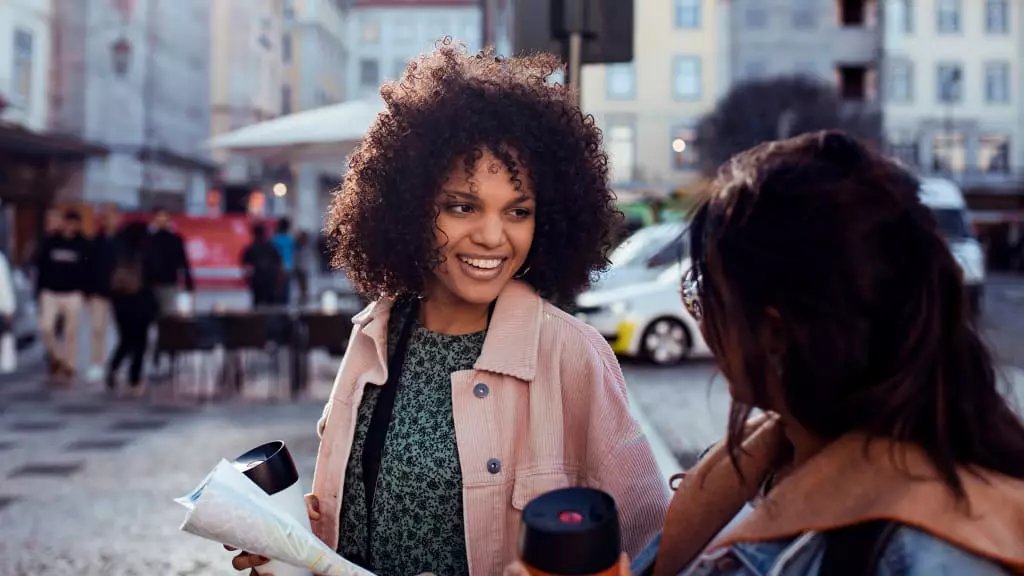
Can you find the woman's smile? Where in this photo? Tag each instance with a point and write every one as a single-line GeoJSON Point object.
{"type": "Point", "coordinates": [482, 268]}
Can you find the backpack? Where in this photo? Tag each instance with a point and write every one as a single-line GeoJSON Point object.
{"type": "Point", "coordinates": [127, 276]}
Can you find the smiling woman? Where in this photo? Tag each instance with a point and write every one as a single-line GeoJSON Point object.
{"type": "Point", "coordinates": [480, 191]}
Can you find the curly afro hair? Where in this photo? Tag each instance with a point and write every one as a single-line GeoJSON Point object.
{"type": "Point", "coordinates": [446, 109]}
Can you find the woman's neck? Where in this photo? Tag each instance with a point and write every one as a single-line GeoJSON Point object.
{"type": "Point", "coordinates": [452, 316]}
{"type": "Point", "coordinates": [805, 444]}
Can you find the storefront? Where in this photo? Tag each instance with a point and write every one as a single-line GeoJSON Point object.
{"type": "Point", "coordinates": [33, 168]}
{"type": "Point", "coordinates": [998, 220]}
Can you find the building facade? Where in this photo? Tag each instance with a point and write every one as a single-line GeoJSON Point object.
{"type": "Point", "coordinates": [25, 62]}
{"type": "Point", "coordinates": [953, 104]}
{"type": "Point", "coordinates": [649, 108]}
{"type": "Point", "coordinates": [245, 85]}
{"type": "Point", "coordinates": [134, 75]}
{"type": "Point", "coordinates": [387, 34]}
{"type": "Point", "coordinates": [314, 54]}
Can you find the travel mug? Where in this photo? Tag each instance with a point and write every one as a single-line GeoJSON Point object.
{"type": "Point", "coordinates": [572, 531]}
{"type": "Point", "coordinates": [271, 467]}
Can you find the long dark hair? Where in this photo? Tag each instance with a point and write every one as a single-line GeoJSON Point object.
{"type": "Point", "coordinates": [133, 239]}
{"type": "Point", "coordinates": [877, 334]}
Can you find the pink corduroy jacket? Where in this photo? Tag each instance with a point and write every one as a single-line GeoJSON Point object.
{"type": "Point", "coordinates": [552, 413]}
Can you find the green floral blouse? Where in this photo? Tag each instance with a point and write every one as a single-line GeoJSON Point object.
{"type": "Point", "coordinates": [418, 521]}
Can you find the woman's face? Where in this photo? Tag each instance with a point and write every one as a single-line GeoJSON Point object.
{"type": "Point", "coordinates": [484, 232]}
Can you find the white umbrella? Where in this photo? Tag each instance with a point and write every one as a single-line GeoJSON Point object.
{"type": "Point", "coordinates": [321, 134]}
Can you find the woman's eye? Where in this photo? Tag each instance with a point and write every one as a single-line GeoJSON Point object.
{"type": "Point", "coordinates": [521, 213]}
{"type": "Point", "coordinates": [460, 208]}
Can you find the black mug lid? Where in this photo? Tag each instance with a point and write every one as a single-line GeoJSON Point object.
{"type": "Point", "coordinates": [570, 531]}
{"type": "Point", "coordinates": [270, 466]}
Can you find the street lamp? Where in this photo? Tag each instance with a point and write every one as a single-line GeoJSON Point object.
{"type": "Point", "coordinates": [121, 53]}
{"type": "Point", "coordinates": [280, 189]}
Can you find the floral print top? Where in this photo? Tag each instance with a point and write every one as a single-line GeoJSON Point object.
{"type": "Point", "coordinates": [418, 514]}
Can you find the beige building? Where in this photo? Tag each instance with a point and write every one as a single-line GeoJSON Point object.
{"type": "Point", "coordinates": [649, 108]}
{"type": "Point", "coordinates": [246, 74]}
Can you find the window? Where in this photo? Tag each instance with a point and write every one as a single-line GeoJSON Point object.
{"type": "Point", "coordinates": [756, 17]}
{"type": "Point", "coordinates": [286, 99]}
{"type": "Point", "coordinates": [853, 83]}
{"type": "Point", "coordinates": [286, 48]}
{"type": "Point", "coordinates": [949, 155]}
{"type": "Point", "coordinates": [22, 89]}
{"type": "Point", "coordinates": [950, 88]}
{"type": "Point", "coordinates": [369, 73]}
{"type": "Point", "coordinates": [901, 81]}
{"type": "Point", "coordinates": [684, 149]}
{"type": "Point", "coordinates": [804, 16]}
{"type": "Point", "coordinates": [620, 81]}
{"type": "Point", "coordinates": [907, 153]}
{"type": "Point", "coordinates": [852, 13]}
{"type": "Point", "coordinates": [621, 147]}
{"type": "Point", "coordinates": [289, 9]}
{"type": "Point", "coordinates": [997, 82]}
{"type": "Point", "coordinates": [370, 31]}
{"type": "Point", "coordinates": [686, 72]}
{"type": "Point", "coordinates": [994, 153]}
{"type": "Point", "coordinates": [948, 16]}
{"type": "Point", "coordinates": [755, 69]}
{"type": "Point", "coordinates": [688, 13]}
{"type": "Point", "coordinates": [997, 17]}
{"type": "Point", "coordinates": [904, 14]}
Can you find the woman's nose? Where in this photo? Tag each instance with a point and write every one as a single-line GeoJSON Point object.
{"type": "Point", "coordinates": [491, 232]}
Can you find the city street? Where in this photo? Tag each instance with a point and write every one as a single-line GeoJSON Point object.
{"type": "Point", "coordinates": [88, 484]}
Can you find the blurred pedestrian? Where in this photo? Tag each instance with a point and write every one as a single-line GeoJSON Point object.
{"type": "Point", "coordinates": [8, 302]}
{"type": "Point", "coordinates": [168, 266]}
{"type": "Point", "coordinates": [834, 306]}
{"type": "Point", "coordinates": [285, 245]}
{"type": "Point", "coordinates": [102, 259]}
{"type": "Point", "coordinates": [134, 304]}
{"type": "Point", "coordinates": [262, 265]}
{"type": "Point", "coordinates": [61, 282]}
{"type": "Point", "coordinates": [303, 264]}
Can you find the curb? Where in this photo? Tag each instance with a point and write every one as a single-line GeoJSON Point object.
{"type": "Point", "coordinates": [667, 462]}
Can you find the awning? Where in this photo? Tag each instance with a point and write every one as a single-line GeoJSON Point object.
{"type": "Point", "coordinates": [321, 134]}
{"type": "Point", "coordinates": [22, 143]}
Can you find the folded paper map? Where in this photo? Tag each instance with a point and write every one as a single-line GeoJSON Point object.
{"type": "Point", "coordinates": [229, 508]}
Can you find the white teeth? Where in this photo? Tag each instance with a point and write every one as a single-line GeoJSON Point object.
{"type": "Point", "coordinates": [483, 263]}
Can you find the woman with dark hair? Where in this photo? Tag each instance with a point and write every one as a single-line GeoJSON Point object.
{"type": "Point", "coordinates": [480, 192]}
{"type": "Point", "coordinates": [134, 303]}
{"type": "Point", "coordinates": [833, 305]}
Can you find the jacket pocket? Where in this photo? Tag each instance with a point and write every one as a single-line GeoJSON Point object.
{"type": "Point", "coordinates": [529, 485]}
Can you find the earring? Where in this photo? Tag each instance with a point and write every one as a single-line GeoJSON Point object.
{"type": "Point", "coordinates": [522, 272]}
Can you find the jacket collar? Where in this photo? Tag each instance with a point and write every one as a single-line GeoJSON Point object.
{"type": "Point", "coordinates": [513, 335]}
{"type": "Point", "coordinates": [853, 480]}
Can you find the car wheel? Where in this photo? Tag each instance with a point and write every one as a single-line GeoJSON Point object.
{"type": "Point", "coordinates": [665, 342]}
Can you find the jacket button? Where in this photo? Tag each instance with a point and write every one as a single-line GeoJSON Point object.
{"type": "Point", "coordinates": [494, 465]}
{"type": "Point", "coordinates": [481, 390]}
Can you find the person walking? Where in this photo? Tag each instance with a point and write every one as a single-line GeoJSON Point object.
{"type": "Point", "coordinates": [134, 304]}
{"type": "Point", "coordinates": [262, 265]}
{"type": "Point", "coordinates": [464, 392]}
{"type": "Point", "coordinates": [167, 268]}
{"type": "Point", "coordinates": [61, 281]}
{"type": "Point", "coordinates": [285, 245]}
{"type": "Point", "coordinates": [8, 304]}
{"type": "Point", "coordinates": [102, 259]}
{"type": "Point", "coordinates": [303, 265]}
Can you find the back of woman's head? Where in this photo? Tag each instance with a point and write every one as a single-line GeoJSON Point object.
{"type": "Point", "coordinates": [818, 261]}
{"type": "Point", "coordinates": [133, 237]}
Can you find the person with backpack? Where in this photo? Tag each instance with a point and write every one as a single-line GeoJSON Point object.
{"type": "Point", "coordinates": [134, 302]}
{"type": "Point", "coordinates": [263, 268]}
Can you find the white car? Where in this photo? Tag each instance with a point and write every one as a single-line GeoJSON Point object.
{"type": "Point", "coordinates": [645, 319]}
{"type": "Point", "coordinates": [949, 208]}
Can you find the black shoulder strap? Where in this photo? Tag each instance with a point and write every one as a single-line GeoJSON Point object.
{"type": "Point", "coordinates": [373, 448]}
{"type": "Point", "coordinates": [856, 550]}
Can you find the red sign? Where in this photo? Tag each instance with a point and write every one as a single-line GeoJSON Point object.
{"type": "Point", "coordinates": [214, 245]}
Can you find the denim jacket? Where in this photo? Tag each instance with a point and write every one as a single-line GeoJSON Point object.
{"type": "Point", "coordinates": [910, 552]}
{"type": "Point", "coordinates": [849, 482]}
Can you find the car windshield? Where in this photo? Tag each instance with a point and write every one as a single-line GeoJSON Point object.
{"type": "Point", "coordinates": [951, 223]}
{"type": "Point", "coordinates": [647, 243]}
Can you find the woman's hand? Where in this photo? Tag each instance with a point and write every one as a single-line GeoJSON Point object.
{"type": "Point", "coordinates": [517, 568]}
{"type": "Point", "coordinates": [247, 561]}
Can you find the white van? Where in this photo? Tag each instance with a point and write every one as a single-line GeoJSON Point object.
{"type": "Point", "coordinates": [950, 210]}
